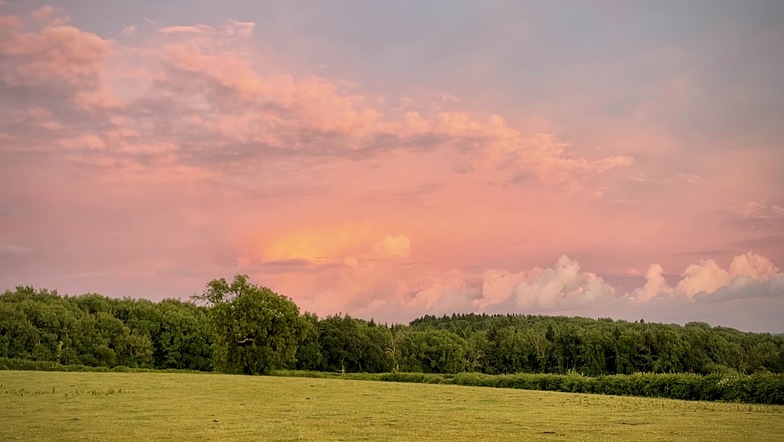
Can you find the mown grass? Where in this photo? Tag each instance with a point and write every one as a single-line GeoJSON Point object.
{"type": "Point", "coordinates": [164, 406]}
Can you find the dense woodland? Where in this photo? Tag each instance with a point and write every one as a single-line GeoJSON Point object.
{"type": "Point", "coordinates": [239, 327]}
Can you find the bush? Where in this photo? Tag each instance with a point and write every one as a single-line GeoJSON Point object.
{"type": "Point", "coordinates": [761, 387]}
{"type": "Point", "coordinates": [28, 365]}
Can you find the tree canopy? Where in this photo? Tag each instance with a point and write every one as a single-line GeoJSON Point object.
{"type": "Point", "coordinates": [256, 330]}
{"type": "Point", "coordinates": [244, 328]}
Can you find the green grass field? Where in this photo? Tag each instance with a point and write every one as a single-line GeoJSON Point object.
{"type": "Point", "coordinates": [160, 406]}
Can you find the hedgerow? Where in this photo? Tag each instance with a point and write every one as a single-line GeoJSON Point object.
{"type": "Point", "coordinates": [759, 388]}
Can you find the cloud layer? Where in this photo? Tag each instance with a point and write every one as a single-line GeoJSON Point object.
{"type": "Point", "coordinates": [700, 291]}
{"type": "Point", "coordinates": [146, 157]}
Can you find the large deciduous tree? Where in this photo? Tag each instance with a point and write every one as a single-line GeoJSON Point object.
{"type": "Point", "coordinates": [256, 330]}
{"type": "Point", "coordinates": [434, 351]}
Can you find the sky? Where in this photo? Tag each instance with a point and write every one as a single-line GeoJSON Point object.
{"type": "Point", "coordinates": [389, 160]}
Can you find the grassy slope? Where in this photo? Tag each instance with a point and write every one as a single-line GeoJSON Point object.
{"type": "Point", "coordinates": [159, 406]}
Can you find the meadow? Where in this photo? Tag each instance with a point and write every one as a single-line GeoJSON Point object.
{"type": "Point", "coordinates": [180, 406]}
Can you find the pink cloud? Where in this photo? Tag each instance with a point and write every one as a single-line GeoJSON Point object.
{"type": "Point", "coordinates": [58, 54]}
{"type": "Point", "coordinates": [393, 246]}
{"type": "Point", "coordinates": [655, 285]}
{"type": "Point", "coordinates": [191, 152]}
{"type": "Point", "coordinates": [744, 287]}
{"type": "Point", "coordinates": [84, 142]}
{"type": "Point", "coordinates": [565, 288]}
{"type": "Point", "coordinates": [563, 285]}
{"type": "Point", "coordinates": [243, 29]}
{"type": "Point", "coordinates": [9, 22]}
{"type": "Point", "coordinates": [200, 29]}
{"type": "Point", "coordinates": [129, 31]}
{"type": "Point", "coordinates": [48, 15]}
{"type": "Point", "coordinates": [269, 110]}
{"type": "Point", "coordinates": [708, 276]}
{"type": "Point", "coordinates": [758, 215]}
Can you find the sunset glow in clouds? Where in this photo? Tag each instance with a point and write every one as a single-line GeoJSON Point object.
{"type": "Point", "coordinates": [395, 159]}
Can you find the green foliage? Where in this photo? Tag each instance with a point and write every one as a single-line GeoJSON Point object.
{"type": "Point", "coordinates": [309, 356]}
{"type": "Point", "coordinates": [30, 365]}
{"type": "Point", "coordinates": [342, 343]}
{"type": "Point", "coordinates": [759, 388]}
{"type": "Point", "coordinates": [499, 344]}
{"type": "Point", "coordinates": [353, 345]}
{"type": "Point", "coordinates": [250, 329]}
{"type": "Point", "coordinates": [257, 329]}
{"type": "Point", "coordinates": [93, 330]}
{"type": "Point", "coordinates": [433, 351]}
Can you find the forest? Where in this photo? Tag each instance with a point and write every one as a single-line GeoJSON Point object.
{"type": "Point", "coordinates": [239, 327]}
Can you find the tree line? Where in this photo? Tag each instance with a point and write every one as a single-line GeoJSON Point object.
{"type": "Point", "coordinates": [236, 326]}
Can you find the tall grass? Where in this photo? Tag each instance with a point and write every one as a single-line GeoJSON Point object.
{"type": "Point", "coordinates": [45, 406]}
